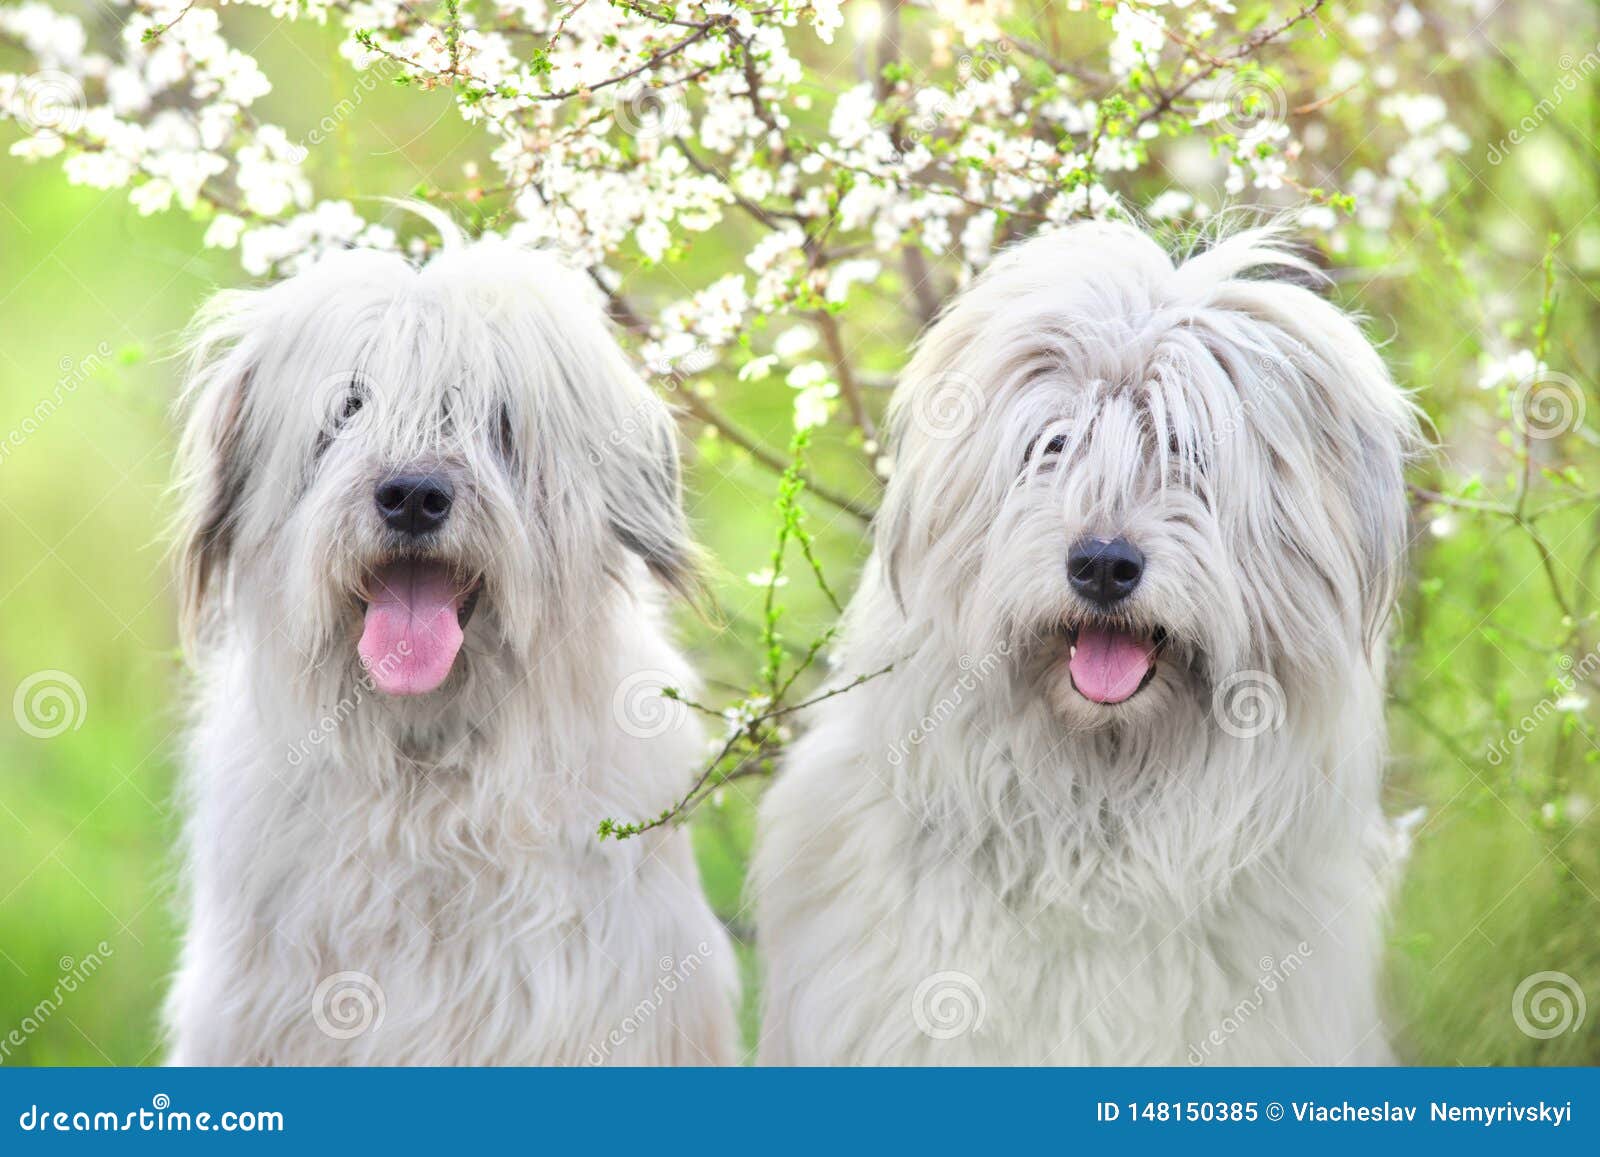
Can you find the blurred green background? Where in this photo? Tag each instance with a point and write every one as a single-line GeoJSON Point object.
{"type": "Point", "coordinates": [1504, 881]}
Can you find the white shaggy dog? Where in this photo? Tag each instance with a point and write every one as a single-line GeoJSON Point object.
{"type": "Point", "coordinates": [1117, 802]}
{"type": "Point", "coordinates": [422, 512]}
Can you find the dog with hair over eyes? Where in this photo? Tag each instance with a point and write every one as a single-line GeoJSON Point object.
{"type": "Point", "coordinates": [428, 513]}
{"type": "Point", "coordinates": [1117, 801]}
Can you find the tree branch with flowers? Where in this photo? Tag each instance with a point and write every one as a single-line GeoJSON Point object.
{"type": "Point", "coordinates": [776, 197]}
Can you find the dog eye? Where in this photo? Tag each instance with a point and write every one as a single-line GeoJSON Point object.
{"type": "Point", "coordinates": [1053, 448]}
{"type": "Point", "coordinates": [341, 411]}
{"type": "Point", "coordinates": [506, 437]}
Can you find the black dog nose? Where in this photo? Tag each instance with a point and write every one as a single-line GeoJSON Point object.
{"type": "Point", "coordinates": [414, 503]}
{"type": "Point", "coordinates": [1104, 572]}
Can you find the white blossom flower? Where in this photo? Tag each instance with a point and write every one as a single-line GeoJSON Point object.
{"type": "Point", "coordinates": [1519, 366]}
{"type": "Point", "coordinates": [816, 177]}
{"type": "Point", "coordinates": [827, 17]}
{"type": "Point", "coordinates": [223, 232]}
{"type": "Point", "coordinates": [794, 341]}
{"type": "Point", "coordinates": [1407, 22]}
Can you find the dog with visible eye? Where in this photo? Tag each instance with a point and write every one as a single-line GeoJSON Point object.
{"type": "Point", "coordinates": [1117, 801]}
{"type": "Point", "coordinates": [428, 516]}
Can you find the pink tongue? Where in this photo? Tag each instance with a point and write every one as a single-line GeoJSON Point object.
{"type": "Point", "coordinates": [411, 634]}
{"type": "Point", "coordinates": [1108, 666]}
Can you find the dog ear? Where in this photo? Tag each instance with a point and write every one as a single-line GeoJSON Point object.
{"type": "Point", "coordinates": [211, 473]}
{"type": "Point", "coordinates": [1378, 500]}
{"type": "Point", "coordinates": [1376, 434]}
{"type": "Point", "coordinates": [892, 532]}
{"type": "Point", "coordinates": [642, 487]}
{"type": "Point", "coordinates": [1365, 429]}
{"type": "Point", "coordinates": [1368, 432]}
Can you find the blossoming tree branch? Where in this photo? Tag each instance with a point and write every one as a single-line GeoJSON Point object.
{"type": "Point", "coordinates": [776, 195]}
{"type": "Point", "coordinates": [872, 150]}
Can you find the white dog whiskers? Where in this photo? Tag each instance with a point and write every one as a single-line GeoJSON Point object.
{"type": "Point", "coordinates": [419, 561]}
{"type": "Point", "coordinates": [1133, 568]}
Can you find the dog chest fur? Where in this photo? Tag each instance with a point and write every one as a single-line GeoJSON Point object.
{"type": "Point", "coordinates": [496, 927]}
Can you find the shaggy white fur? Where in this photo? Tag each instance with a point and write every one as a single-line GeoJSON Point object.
{"type": "Point", "coordinates": [405, 737]}
{"type": "Point", "coordinates": [1011, 850]}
